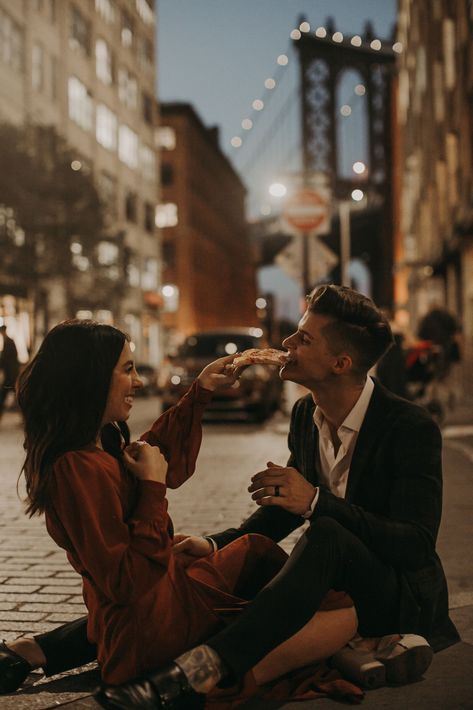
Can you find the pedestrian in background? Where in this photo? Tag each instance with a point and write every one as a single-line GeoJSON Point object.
{"type": "Point", "coordinates": [9, 366]}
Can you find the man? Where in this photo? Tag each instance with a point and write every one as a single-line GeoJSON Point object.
{"type": "Point", "coordinates": [9, 365]}
{"type": "Point", "coordinates": [365, 469]}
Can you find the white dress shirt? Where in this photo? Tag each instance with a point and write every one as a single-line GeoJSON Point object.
{"type": "Point", "coordinates": [334, 468]}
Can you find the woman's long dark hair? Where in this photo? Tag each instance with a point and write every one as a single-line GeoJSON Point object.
{"type": "Point", "coordinates": [62, 394]}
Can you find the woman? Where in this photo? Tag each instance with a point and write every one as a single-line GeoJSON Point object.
{"type": "Point", "coordinates": [109, 512]}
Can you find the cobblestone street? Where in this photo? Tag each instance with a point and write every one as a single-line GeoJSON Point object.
{"type": "Point", "coordinates": [38, 590]}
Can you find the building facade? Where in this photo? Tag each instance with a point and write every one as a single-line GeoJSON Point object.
{"type": "Point", "coordinates": [208, 269]}
{"type": "Point", "coordinates": [87, 68]}
{"type": "Point", "coordinates": [434, 165]}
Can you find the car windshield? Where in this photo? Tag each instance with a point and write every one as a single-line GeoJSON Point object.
{"type": "Point", "coordinates": [216, 345]}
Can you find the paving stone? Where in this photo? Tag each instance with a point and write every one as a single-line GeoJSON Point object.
{"type": "Point", "coordinates": [20, 588]}
{"type": "Point", "coordinates": [52, 590]}
{"type": "Point", "coordinates": [61, 618]}
{"type": "Point", "coordinates": [20, 616]}
{"type": "Point", "coordinates": [64, 582]}
{"type": "Point", "coordinates": [13, 597]}
{"type": "Point", "coordinates": [32, 626]}
{"type": "Point", "coordinates": [36, 573]}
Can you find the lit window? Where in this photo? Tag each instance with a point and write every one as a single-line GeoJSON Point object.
{"type": "Point", "coordinates": [103, 62]}
{"type": "Point", "coordinates": [107, 253]}
{"type": "Point", "coordinates": [128, 146]}
{"type": "Point", "coordinates": [11, 42]}
{"type": "Point", "coordinates": [145, 12]}
{"type": "Point", "coordinates": [108, 192]}
{"type": "Point", "coordinates": [106, 127]}
{"type": "Point", "coordinates": [148, 162]}
{"type": "Point", "coordinates": [104, 316]}
{"type": "Point", "coordinates": [165, 137]}
{"type": "Point", "coordinates": [79, 37]}
{"type": "Point", "coordinates": [37, 67]}
{"type": "Point", "coordinates": [80, 103]}
{"type": "Point", "coordinates": [127, 30]}
{"type": "Point", "coordinates": [133, 272]}
{"type": "Point", "coordinates": [106, 9]}
{"type": "Point", "coordinates": [127, 88]}
{"type": "Point", "coordinates": [149, 276]}
{"type": "Point", "coordinates": [166, 215]}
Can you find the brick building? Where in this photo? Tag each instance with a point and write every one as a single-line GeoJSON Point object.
{"type": "Point", "coordinates": [434, 250]}
{"type": "Point", "coordinates": [87, 67]}
{"type": "Point", "coordinates": [208, 270]}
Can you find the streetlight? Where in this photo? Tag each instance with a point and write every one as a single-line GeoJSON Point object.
{"type": "Point", "coordinates": [277, 189]}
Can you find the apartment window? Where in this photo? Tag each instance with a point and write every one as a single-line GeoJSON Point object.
{"type": "Point", "coordinates": [133, 271]}
{"type": "Point", "coordinates": [80, 103]}
{"type": "Point", "coordinates": [149, 217]}
{"type": "Point", "coordinates": [108, 192]}
{"type": "Point", "coordinates": [37, 67]}
{"type": "Point", "coordinates": [166, 215]}
{"type": "Point", "coordinates": [126, 30]}
{"type": "Point", "coordinates": [54, 78]}
{"type": "Point", "coordinates": [149, 276]}
{"type": "Point", "coordinates": [165, 138]}
{"type": "Point", "coordinates": [148, 162]}
{"type": "Point", "coordinates": [168, 252]}
{"type": "Point", "coordinates": [103, 62]}
{"type": "Point", "coordinates": [106, 127]}
{"type": "Point", "coordinates": [145, 12]}
{"type": "Point", "coordinates": [127, 88]}
{"type": "Point", "coordinates": [145, 52]}
{"type": "Point", "coordinates": [147, 108]}
{"type": "Point", "coordinates": [79, 32]}
{"type": "Point", "coordinates": [107, 10]}
{"type": "Point", "coordinates": [167, 174]}
{"type": "Point", "coordinates": [11, 42]}
{"type": "Point", "coordinates": [107, 253]}
{"type": "Point", "coordinates": [131, 207]}
{"type": "Point", "coordinates": [128, 146]}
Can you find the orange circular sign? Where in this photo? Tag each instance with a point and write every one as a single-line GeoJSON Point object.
{"type": "Point", "coordinates": [306, 210]}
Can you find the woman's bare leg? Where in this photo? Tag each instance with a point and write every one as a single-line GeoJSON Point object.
{"type": "Point", "coordinates": [325, 634]}
{"type": "Point", "coordinates": [28, 649]}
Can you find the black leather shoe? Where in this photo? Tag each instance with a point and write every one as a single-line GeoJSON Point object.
{"type": "Point", "coordinates": [165, 690]}
{"type": "Point", "coordinates": [13, 670]}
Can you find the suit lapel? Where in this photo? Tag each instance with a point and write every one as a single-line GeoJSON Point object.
{"type": "Point", "coordinates": [377, 417]}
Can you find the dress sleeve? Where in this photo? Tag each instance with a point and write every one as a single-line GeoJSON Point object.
{"type": "Point", "coordinates": [122, 557]}
{"type": "Point", "coordinates": [178, 433]}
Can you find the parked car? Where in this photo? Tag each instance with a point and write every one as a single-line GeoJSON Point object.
{"type": "Point", "coordinates": [149, 377]}
{"type": "Point", "coordinates": [256, 394]}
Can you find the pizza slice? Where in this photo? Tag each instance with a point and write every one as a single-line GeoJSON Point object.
{"type": "Point", "coordinates": [261, 356]}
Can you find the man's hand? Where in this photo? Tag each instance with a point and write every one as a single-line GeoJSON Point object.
{"type": "Point", "coordinates": [190, 548]}
{"type": "Point", "coordinates": [295, 493]}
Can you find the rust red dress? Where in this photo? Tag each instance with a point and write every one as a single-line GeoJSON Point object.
{"type": "Point", "coordinates": [144, 607]}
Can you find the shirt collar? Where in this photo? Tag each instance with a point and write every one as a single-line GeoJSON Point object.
{"type": "Point", "coordinates": [356, 415]}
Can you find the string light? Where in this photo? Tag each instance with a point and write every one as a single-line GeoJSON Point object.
{"type": "Point", "coordinates": [283, 60]}
{"type": "Point", "coordinates": [357, 195]}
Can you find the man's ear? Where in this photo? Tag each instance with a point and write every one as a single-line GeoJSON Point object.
{"type": "Point", "coordinates": [343, 364]}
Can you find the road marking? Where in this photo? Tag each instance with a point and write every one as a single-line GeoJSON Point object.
{"type": "Point", "coordinates": [464, 449]}
{"type": "Point", "coordinates": [455, 432]}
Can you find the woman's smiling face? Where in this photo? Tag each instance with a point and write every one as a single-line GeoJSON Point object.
{"type": "Point", "coordinates": [123, 386]}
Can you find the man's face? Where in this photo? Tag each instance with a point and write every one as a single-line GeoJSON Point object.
{"type": "Point", "coordinates": [310, 361]}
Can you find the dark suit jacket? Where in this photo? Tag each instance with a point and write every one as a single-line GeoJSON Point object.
{"type": "Point", "coordinates": [393, 503]}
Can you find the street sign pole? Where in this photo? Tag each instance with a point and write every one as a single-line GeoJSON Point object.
{"type": "Point", "coordinates": [345, 242]}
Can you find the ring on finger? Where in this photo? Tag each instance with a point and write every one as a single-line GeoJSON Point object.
{"type": "Point", "coordinates": [277, 491]}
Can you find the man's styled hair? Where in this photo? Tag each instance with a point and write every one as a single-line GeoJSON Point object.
{"type": "Point", "coordinates": [358, 328]}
